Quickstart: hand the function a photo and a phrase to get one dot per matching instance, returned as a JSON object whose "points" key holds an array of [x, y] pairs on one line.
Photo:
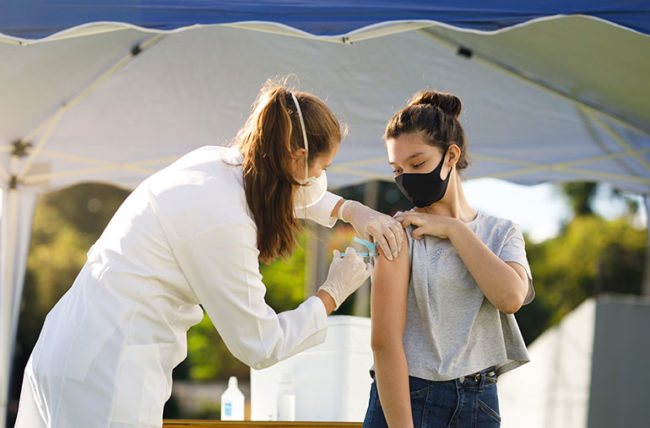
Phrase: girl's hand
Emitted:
{"points": [[426, 224]]}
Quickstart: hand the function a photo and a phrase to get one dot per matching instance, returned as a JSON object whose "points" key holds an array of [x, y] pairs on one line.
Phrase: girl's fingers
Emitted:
{"points": [[417, 233]]}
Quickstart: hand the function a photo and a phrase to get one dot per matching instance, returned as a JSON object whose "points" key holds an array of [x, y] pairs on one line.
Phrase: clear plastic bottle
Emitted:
{"points": [[286, 399], [232, 402]]}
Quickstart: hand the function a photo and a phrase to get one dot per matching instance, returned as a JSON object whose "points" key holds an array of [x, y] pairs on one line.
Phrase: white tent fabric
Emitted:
{"points": [[557, 99], [541, 101]]}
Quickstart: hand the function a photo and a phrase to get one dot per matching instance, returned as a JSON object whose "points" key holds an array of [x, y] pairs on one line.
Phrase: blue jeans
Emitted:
{"points": [[472, 403]]}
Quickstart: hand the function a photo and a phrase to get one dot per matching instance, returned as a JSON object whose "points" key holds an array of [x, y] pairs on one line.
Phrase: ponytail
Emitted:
{"points": [[267, 142]]}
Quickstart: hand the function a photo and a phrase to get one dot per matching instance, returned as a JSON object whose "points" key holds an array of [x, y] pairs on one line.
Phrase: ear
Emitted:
{"points": [[453, 155], [299, 154]]}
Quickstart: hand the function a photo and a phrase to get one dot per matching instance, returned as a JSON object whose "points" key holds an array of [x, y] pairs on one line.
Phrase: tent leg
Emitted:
{"points": [[15, 229], [6, 246]]}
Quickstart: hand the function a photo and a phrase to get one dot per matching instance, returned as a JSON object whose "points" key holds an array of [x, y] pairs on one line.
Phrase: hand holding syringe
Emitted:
{"points": [[348, 272]]}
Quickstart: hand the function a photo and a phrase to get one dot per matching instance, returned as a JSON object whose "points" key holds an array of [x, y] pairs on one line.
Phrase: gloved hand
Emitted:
{"points": [[384, 229], [345, 276]]}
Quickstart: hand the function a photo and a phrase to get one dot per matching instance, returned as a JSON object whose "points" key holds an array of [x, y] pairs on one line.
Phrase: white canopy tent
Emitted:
{"points": [[554, 99]]}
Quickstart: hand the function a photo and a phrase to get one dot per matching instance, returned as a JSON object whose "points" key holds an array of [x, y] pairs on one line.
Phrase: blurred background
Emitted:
{"points": [[584, 240]]}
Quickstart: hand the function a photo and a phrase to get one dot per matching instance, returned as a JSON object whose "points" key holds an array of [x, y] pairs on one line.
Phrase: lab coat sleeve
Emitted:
{"points": [[321, 211], [221, 266]]}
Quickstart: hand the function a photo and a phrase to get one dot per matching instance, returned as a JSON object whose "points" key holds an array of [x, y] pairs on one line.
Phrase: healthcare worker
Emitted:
{"points": [[191, 235]]}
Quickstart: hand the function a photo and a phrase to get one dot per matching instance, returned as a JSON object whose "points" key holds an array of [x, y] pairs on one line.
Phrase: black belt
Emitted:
{"points": [[489, 376]]}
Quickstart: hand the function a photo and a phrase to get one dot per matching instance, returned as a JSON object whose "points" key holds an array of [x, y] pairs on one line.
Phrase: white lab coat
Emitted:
{"points": [[183, 237]]}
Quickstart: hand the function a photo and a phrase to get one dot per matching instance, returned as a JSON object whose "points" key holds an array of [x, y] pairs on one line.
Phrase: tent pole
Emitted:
{"points": [[7, 252], [8, 247], [15, 228]]}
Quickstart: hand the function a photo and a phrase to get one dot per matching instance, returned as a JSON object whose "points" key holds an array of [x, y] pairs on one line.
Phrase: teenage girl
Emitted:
{"points": [[443, 328]]}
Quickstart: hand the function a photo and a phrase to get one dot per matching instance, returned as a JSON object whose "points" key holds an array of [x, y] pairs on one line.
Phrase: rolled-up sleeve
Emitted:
{"points": [[221, 266], [320, 212]]}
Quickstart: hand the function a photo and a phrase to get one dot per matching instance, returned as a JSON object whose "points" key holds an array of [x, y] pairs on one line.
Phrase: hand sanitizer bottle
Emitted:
{"points": [[232, 402], [286, 399]]}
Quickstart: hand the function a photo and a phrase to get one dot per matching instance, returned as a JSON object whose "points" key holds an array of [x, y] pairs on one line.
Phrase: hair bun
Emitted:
{"points": [[448, 103]]}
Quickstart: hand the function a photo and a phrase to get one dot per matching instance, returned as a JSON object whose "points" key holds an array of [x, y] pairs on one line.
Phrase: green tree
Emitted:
{"points": [[591, 256], [581, 196]]}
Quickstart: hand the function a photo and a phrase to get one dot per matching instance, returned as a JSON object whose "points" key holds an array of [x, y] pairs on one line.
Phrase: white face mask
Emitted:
{"points": [[312, 192], [312, 189]]}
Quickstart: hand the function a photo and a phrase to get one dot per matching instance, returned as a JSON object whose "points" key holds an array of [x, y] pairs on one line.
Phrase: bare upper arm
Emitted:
{"points": [[388, 298], [524, 282]]}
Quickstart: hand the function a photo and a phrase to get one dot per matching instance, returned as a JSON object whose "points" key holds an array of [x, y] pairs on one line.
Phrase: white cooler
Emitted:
{"points": [[331, 381]]}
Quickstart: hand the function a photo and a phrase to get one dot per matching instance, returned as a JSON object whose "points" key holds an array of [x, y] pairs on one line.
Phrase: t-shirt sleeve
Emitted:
{"points": [[514, 250]]}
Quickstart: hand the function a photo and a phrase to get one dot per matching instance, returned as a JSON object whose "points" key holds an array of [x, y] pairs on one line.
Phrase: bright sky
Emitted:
{"points": [[539, 210]]}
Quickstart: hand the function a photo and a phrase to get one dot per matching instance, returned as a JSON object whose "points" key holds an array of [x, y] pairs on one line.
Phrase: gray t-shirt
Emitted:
{"points": [[452, 330]]}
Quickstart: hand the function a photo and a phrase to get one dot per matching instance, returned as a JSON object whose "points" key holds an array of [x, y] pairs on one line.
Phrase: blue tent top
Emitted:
{"points": [[35, 19]]}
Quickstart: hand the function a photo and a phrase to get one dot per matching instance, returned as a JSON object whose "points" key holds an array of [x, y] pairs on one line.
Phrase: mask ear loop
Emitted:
{"points": [[443, 160], [304, 135]]}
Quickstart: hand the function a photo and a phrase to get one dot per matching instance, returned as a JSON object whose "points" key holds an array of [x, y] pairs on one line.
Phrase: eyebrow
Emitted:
{"points": [[414, 155]]}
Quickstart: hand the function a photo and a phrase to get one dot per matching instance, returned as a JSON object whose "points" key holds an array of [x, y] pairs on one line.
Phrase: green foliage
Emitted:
{"points": [[56, 254], [590, 257], [285, 279], [581, 196], [66, 223], [208, 358], [87, 206]]}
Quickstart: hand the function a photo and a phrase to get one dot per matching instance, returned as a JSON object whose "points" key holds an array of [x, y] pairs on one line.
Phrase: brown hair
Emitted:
{"points": [[268, 140], [435, 116]]}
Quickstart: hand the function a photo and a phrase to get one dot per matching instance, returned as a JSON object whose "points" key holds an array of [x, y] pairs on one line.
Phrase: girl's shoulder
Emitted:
{"points": [[484, 219], [489, 226]]}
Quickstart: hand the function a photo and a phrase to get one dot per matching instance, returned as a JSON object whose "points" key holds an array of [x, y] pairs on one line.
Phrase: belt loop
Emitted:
{"points": [[481, 382]]}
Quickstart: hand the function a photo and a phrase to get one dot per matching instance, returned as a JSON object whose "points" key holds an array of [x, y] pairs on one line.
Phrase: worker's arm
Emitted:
{"points": [[222, 269]]}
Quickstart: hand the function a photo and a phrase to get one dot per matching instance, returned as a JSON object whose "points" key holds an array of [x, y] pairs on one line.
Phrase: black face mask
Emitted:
{"points": [[424, 189]]}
